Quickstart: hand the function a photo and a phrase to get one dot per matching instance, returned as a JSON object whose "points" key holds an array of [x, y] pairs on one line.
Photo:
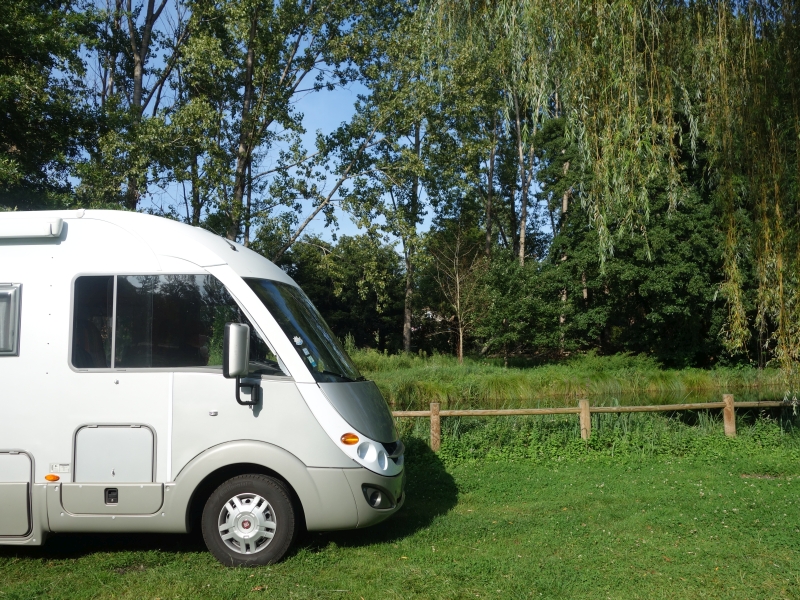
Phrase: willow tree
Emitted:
{"points": [[648, 86], [746, 58]]}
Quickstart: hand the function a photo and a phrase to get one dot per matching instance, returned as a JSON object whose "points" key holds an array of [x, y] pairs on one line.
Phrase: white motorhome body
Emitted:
{"points": [[116, 415]]}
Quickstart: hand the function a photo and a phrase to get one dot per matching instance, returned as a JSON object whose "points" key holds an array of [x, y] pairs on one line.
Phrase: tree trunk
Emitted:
{"points": [[514, 228], [460, 344], [565, 199], [524, 183], [489, 191], [196, 206], [140, 49], [245, 142], [109, 81], [409, 247], [409, 293], [246, 240]]}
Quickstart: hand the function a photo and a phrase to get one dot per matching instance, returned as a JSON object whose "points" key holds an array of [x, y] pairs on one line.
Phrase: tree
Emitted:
{"points": [[666, 304], [134, 55], [642, 84], [521, 309], [392, 186], [519, 40], [42, 109], [282, 51], [356, 284], [454, 272]]}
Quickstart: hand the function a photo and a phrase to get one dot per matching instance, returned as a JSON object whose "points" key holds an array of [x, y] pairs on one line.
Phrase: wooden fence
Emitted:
{"points": [[584, 410]]}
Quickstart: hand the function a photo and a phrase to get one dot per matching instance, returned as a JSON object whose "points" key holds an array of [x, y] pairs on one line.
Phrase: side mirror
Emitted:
{"points": [[236, 350], [236, 360]]}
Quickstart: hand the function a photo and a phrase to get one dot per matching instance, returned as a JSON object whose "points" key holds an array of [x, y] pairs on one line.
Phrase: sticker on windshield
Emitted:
{"points": [[305, 351], [312, 361], [297, 341]]}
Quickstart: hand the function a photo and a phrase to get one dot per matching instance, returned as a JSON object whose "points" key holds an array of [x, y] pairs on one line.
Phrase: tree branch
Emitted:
{"points": [[328, 198]]}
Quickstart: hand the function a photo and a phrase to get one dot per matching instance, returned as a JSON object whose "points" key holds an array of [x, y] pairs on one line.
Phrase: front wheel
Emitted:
{"points": [[249, 521]]}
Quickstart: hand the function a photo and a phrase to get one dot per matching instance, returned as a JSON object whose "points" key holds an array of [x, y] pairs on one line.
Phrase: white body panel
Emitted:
{"points": [[146, 426]]}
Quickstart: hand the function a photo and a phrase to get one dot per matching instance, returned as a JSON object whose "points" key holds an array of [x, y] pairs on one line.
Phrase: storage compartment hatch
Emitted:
{"points": [[15, 484], [114, 454], [101, 499]]}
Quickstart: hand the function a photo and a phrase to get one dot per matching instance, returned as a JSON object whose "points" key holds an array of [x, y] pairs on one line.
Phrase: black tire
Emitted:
{"points": [[249, 521]]}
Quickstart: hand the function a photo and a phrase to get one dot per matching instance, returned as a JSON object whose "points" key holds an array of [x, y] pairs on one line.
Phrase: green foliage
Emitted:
{"points": [[658, 294], [637, 160], [522, 309], [650, 91], [356, 284], [636, 436], [42, 108], [412, 382]]}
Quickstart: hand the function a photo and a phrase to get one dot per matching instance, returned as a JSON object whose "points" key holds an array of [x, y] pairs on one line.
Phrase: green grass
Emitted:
{"points": [[411, 382], [720, 519]]}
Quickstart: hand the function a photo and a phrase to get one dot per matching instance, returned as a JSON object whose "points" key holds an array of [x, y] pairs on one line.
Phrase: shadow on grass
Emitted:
{"points": [[430, 492]]}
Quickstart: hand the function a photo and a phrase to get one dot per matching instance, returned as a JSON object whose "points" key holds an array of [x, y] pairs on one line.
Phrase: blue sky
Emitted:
{"points": [[323, 111]]}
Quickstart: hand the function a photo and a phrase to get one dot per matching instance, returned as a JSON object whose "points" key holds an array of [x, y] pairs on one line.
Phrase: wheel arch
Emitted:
{"points": [[207, 471], [213, 480]]}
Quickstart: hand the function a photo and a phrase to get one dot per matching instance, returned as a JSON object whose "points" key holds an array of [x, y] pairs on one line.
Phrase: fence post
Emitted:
{"points": [[729, 416], [436, 427], [586, 419]]}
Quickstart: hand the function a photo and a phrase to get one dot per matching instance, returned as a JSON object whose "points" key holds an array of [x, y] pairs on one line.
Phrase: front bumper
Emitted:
{"points": [[393, 487]]}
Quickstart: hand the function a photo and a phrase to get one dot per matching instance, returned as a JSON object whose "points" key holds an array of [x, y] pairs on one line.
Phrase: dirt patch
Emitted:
{"points": [[759, 476]]}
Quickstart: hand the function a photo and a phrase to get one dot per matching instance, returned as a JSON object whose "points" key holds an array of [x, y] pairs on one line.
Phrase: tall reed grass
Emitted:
{"points": [[412, 382]]}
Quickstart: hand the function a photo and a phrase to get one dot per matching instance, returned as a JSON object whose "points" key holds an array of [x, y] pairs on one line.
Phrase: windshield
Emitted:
{"points": [[312, 338]]}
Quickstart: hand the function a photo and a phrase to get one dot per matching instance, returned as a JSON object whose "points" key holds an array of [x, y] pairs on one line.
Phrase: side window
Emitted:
{"points": [[173, 321], [93, 304], [9, 318]]}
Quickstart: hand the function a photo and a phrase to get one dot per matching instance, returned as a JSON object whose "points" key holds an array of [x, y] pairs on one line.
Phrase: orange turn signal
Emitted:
{"points": [[52, 477], [349, 439]]}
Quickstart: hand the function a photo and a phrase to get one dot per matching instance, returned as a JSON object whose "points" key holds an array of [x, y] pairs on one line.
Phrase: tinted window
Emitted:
{"points": [[91, 322], [179, 321], [162, 321], [9, 319]]}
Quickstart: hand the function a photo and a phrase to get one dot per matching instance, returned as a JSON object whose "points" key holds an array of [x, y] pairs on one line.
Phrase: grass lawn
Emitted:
{"points": [[594, 528]]}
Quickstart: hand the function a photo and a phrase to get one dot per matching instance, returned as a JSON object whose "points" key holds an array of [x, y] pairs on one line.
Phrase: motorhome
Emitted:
{"points": [[157, 377]]}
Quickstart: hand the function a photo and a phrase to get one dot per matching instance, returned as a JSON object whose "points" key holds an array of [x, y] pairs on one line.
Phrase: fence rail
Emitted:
{"points": [[585, 410]]}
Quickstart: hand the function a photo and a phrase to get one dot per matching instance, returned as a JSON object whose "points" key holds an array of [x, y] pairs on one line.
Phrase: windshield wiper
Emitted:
{"points": [[266, 362], [339, 375]]}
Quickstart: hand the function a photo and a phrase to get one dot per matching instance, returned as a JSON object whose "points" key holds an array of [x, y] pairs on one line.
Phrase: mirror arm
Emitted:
{"points": [[255, 393]]}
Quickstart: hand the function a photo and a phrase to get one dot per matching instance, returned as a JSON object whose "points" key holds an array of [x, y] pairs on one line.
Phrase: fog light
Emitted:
{"points": [[377, 498]]}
